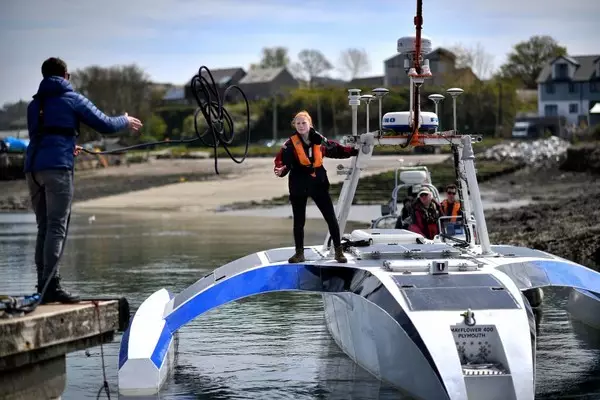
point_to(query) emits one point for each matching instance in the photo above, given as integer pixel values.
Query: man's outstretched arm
(90, 115)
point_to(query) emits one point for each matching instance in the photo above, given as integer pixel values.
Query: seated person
(451, 206)
(426, 212)
(405, 218)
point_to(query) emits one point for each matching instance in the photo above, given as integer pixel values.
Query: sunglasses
(451, 192)
(423, 195)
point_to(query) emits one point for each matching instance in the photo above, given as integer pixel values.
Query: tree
(355, 62)
(155, 127)
(13, 114)
(476, 58)
(188, 128)
(273, 57)
(312, 63)
(114, 90)
(529, 58)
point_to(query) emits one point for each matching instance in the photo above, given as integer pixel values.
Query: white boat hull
(433, 322)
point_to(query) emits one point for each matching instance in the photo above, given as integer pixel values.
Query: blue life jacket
(53, 119)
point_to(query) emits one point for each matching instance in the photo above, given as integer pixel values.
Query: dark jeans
(51, 196)
(325, 205)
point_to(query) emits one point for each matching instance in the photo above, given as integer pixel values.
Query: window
(550, 88)
(562, 71)
(551, 110)
(572, 88)
(573, 108)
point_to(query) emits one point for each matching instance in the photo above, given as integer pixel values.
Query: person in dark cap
(426, 212)
(405, 218)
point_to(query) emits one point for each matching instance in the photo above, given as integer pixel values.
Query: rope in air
(220, 125)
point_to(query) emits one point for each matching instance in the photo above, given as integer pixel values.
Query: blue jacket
(63, 108)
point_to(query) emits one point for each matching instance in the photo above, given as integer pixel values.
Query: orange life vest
(455, 209)
(303, 158)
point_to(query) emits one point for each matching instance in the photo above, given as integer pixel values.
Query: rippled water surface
(273, 346)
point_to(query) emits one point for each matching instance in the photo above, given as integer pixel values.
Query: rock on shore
(565, 218)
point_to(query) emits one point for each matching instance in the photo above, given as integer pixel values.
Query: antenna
(354, 101)
(379, 93)
(367, 98)
(454, 92)
(436, 98)
(415, 49)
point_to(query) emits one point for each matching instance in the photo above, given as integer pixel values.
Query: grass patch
(377, 189)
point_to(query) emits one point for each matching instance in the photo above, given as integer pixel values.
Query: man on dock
(53, 119)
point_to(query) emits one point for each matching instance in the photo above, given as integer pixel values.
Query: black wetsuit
(303, 185)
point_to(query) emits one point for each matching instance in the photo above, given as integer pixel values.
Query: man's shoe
(298, 257)
(56, 294)
(339, 255)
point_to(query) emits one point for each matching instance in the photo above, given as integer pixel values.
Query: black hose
(219, 121)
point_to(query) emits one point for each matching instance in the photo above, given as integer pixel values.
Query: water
(274, 346)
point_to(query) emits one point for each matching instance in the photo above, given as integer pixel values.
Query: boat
(446, 318)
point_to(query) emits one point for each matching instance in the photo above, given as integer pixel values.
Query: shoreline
(159, 184)
(252, 181)
(562, 217)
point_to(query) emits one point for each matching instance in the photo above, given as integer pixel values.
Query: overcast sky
(170, 39)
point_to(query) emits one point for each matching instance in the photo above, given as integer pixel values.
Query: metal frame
(465, 172)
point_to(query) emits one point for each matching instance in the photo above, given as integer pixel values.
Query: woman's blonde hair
(305, 114)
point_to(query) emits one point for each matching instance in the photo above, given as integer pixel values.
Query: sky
(171, 39)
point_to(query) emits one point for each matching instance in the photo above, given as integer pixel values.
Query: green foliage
(13, 115)
(596, 132)
(264, 151)
(480, 109)
(273, 57)
(155, 126)
(528, 59)
(377, 189)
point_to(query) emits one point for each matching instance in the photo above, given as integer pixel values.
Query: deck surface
(56, 329)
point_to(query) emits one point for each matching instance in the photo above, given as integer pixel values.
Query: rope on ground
(105, 385)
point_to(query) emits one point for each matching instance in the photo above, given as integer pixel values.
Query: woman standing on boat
(302, 156)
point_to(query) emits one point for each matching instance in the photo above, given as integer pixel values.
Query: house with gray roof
(569, 86)
(442, 63)
(260, 83)
(223, 78)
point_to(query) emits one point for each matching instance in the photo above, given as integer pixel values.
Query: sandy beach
(252, 180)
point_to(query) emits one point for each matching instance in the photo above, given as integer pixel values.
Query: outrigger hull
(404, 323)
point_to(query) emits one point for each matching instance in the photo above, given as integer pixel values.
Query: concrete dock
(33, 347)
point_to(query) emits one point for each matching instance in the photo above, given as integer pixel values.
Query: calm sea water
(274, 346)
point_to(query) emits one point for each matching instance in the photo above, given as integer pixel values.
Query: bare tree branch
(354, 62)
(476, 58)
(312, 63)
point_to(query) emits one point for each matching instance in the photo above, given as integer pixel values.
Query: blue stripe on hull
(561, 273)
(159, 349)
(288, 277)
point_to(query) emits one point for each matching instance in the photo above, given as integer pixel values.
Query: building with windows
(569, 86)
